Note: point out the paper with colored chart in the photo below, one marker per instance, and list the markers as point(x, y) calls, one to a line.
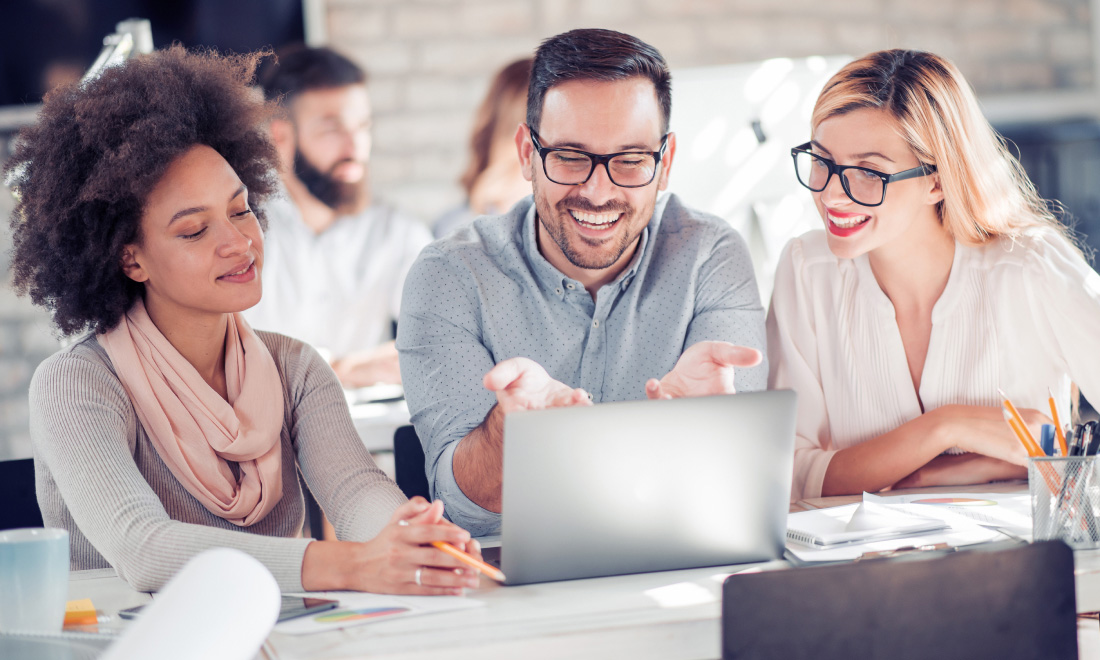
point(358, 608)
point(1009, 511)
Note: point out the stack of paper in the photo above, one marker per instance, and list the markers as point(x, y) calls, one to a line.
point(856, 523)
point(964, 519)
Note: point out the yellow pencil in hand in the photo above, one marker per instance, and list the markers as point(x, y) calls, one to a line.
point(485, 569)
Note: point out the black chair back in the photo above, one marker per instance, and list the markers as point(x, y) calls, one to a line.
point(1015, 603)
point(18, 502)
point(408, 463)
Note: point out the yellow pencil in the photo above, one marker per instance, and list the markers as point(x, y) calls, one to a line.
point(1031, 451)
point(1026, 437)
point(1058, 432)
point(486, 569)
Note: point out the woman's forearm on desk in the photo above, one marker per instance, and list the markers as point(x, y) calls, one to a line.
point(883, 460)
point(887, 459)
point(962, 470)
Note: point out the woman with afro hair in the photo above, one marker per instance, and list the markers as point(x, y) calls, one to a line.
point(173, 427)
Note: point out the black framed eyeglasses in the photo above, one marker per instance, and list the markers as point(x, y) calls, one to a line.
point(573, 167)
point(863, 185)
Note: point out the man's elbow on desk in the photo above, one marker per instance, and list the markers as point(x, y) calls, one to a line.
point(458, 507)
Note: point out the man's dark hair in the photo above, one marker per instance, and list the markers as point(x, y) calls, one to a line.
point(85, 168)
point(300, 69)
point(594, 54)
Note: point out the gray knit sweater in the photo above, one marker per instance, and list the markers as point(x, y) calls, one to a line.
point(99, 476)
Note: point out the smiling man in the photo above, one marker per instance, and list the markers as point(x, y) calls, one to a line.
point(594, 289)
point(336, 262)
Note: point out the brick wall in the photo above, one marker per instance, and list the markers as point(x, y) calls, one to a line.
point(430, 60)
point(26, 338)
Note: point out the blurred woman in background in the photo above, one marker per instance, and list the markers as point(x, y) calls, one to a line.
point(492, 180)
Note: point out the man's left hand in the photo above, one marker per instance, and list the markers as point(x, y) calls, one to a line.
point(704, 368)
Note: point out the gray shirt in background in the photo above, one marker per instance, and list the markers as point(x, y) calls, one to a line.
point(485, 294)
point(98, 475)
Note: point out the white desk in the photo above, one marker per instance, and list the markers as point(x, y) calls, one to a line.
point(656, 615)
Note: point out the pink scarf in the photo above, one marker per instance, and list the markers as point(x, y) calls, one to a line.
point(193, 429)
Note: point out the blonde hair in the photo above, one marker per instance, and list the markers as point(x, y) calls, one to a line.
point(986, 193)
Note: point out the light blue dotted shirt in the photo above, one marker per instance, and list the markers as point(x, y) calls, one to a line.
point(485, 294)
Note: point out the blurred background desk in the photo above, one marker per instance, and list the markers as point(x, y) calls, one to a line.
point(376, 422)
point(377, 412)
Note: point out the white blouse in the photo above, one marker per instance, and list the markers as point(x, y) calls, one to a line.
point(1021, 316)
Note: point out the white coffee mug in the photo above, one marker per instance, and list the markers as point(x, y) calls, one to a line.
point(34, 579)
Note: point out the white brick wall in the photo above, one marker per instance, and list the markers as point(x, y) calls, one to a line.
point(430, 60)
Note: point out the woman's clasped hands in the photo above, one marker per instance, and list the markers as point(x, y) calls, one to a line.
point(399, 560)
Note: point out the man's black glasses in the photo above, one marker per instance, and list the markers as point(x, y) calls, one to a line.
point(572, 167)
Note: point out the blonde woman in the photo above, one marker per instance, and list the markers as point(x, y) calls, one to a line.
point(939, 278)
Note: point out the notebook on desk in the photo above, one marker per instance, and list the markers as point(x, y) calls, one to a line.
point(643, 486)
point(861, 522)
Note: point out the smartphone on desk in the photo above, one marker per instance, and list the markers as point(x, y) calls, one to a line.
point(291, 607)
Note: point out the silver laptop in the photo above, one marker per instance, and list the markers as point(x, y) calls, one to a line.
point(643, 486)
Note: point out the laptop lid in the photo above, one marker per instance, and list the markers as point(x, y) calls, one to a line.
point(1010, 604)
point(643, 486)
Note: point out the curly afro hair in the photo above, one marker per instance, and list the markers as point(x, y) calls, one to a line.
point(82, 172)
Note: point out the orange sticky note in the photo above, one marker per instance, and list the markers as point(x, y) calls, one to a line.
point(80, 613)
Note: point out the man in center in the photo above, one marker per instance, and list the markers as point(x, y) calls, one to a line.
point(594, 289)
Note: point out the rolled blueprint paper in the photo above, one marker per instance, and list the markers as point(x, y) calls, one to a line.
point(222, 604)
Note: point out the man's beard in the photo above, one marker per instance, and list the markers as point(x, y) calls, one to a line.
point(337, 195)
point(553, 219)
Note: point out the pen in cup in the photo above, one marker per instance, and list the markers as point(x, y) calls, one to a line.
point(1059, 433)
point(1046, 439)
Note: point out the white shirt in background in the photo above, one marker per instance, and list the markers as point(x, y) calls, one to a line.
point(1022, 317)
point(339, 290)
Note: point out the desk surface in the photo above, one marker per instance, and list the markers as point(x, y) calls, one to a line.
point(999, 487)
point(655, 615)
point(672, 614)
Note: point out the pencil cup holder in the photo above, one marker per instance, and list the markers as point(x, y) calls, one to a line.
point(1065, 500)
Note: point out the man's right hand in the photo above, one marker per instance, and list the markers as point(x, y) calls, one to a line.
point(522, 384)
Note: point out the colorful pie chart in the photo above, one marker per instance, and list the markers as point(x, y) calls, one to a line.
point(341, 616)
point(955, 501)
